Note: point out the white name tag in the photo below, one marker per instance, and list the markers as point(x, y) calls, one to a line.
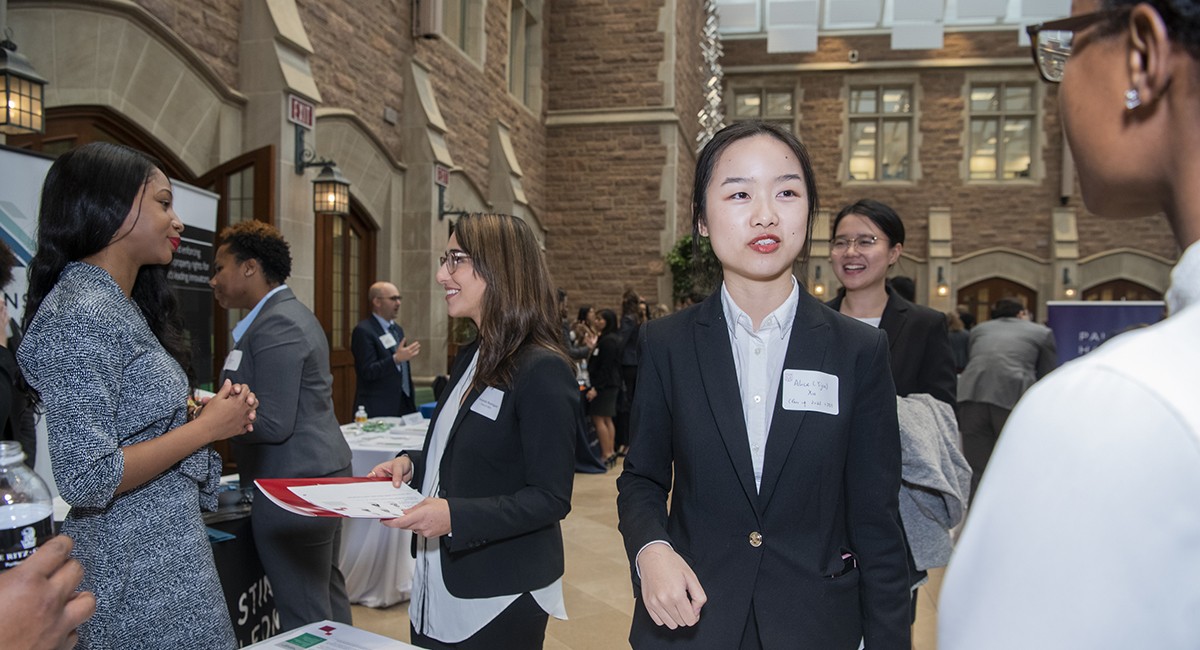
point(488, 404)
point(388, 340)
point(810, 390)
point(233, 360)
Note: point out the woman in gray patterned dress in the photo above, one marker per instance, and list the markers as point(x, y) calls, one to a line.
point(105, 353)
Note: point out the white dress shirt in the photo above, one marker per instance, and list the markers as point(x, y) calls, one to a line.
point(758, 358)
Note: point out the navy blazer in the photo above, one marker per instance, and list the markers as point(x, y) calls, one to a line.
point(379, 386)
point(508, 481)
point(922, 360)
point(830, 486)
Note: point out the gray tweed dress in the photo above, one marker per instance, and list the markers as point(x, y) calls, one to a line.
point(105, 383)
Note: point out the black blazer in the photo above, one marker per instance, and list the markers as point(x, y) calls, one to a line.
point(829, 486)
point(604, 368)
point(508, 481)
point(922, 361)
point(379, 386)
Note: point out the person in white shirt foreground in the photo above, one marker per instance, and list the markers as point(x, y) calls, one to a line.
point(1085, 530)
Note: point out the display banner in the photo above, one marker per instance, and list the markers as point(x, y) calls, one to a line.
point(1081, 326)
point(21, 176)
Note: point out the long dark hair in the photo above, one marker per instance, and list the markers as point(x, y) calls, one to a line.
point(87, 195)
point(610, 321)
point(519, 308)
point(707, 161)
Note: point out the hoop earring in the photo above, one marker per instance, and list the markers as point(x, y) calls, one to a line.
point(1132, 99)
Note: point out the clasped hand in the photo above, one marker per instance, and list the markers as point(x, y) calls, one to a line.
point(231, 411)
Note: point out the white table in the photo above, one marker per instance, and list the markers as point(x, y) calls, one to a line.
point(340, 635)
point(376, 560)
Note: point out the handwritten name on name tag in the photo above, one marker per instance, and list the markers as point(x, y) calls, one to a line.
point(810, 390)
point(488, 404)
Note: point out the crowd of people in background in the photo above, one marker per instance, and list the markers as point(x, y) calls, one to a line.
point(769, 439)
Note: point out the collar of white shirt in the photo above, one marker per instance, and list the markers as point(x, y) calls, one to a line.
point(781, 319)
point(240, 329)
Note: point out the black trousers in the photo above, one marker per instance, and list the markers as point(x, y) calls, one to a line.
point(980, 424)
point(300, 555)
point(521, 626)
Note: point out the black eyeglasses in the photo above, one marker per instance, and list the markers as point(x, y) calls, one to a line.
point(394, 298)
point(452, 259)
point(1051, 42)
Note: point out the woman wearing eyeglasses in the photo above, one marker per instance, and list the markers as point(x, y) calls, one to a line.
point(499, 460)
point(868, 239)
point(1084, 531)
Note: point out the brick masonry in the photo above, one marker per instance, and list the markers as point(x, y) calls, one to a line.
point(984, 215)
point(596, 188)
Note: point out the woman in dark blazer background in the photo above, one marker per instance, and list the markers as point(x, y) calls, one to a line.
point(604, 370)
point(868, 237)
point(499, 460)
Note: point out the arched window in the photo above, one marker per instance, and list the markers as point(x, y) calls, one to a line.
point(1121, 290)
point(979, 297)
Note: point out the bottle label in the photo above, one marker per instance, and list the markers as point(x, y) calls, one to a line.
point(21, 541)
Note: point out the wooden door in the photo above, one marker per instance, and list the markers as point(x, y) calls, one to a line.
point(345, 269)
point(979, 297)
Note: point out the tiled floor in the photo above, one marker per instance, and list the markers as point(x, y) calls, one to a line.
point(596, 586)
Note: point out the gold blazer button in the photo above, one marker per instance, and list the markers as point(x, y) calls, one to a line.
point(756, 539)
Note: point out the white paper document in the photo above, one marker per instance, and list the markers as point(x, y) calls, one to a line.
point(360, 498)
point(376, 500)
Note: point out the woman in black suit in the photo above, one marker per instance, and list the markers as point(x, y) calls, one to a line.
point(499, 460)
point(769, 421)
point(868, 237)
point(605, 374)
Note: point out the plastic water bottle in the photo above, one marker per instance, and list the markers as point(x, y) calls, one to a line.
point(360, 416)
point(26, 510)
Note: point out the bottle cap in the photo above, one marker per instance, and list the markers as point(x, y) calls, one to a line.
point(11, 452)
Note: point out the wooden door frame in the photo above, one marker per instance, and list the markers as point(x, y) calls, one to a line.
point(340, 357)
point(264, 210)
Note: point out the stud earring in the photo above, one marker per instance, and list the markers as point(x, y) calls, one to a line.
point(1132, 99)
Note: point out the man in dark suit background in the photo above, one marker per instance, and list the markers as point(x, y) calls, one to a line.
point(1007, 354)
point(381, 357)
